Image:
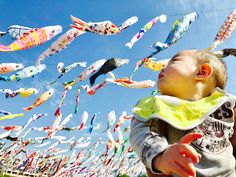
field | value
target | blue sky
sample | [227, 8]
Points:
[91, 47]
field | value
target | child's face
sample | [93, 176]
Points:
[177, 78]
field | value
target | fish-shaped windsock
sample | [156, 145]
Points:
[127, 82]
[87, 72]
[27, 92]
[77, 100]
[138, 36]
[120, 121]
[103, 28]
[94, 89]
[156, 65]
[109, 65]
[9, 93]
[92, 123]
[27, 72]
[225, 30]
[11, 116]
[10, 67]
[44, 97]
[111, 119]
[12, 128]
[111, 142]
[61, 43]
[63, 70]
[150, 63]
[21, 91]
[91, 69]
[66, 120]
[84, 119]
[58, 110]
[178, 29]
[32, 38]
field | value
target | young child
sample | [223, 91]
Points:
[188, 130]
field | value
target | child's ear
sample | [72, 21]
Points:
[205, 71]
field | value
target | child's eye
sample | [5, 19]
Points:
[175, 59]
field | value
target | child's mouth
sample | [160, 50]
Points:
[160, 76]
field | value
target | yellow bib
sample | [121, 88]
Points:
[181, 114]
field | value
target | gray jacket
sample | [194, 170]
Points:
[151, 137]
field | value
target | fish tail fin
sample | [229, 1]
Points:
[57, 112]
[90, 129]
[105, 130]
[7, 95]
[68, 84]
[60, 76]
[2, 33]
[93, 78]
[4, 78]
[44, 139]
[28, 108]
[4, 48]
[81, 126]
[51, 83]
[79, 24]
[160, 46]
[116, 128]
[76, 109]
[129, 44]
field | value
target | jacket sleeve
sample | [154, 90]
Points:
[146, 143]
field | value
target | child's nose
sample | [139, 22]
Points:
[162, 70]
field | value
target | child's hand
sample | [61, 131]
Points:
[179, 157]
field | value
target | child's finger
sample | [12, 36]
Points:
[188, 151]
[187, 164]
[177, 169]
[190, 137]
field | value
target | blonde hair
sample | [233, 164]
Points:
[219, 66]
